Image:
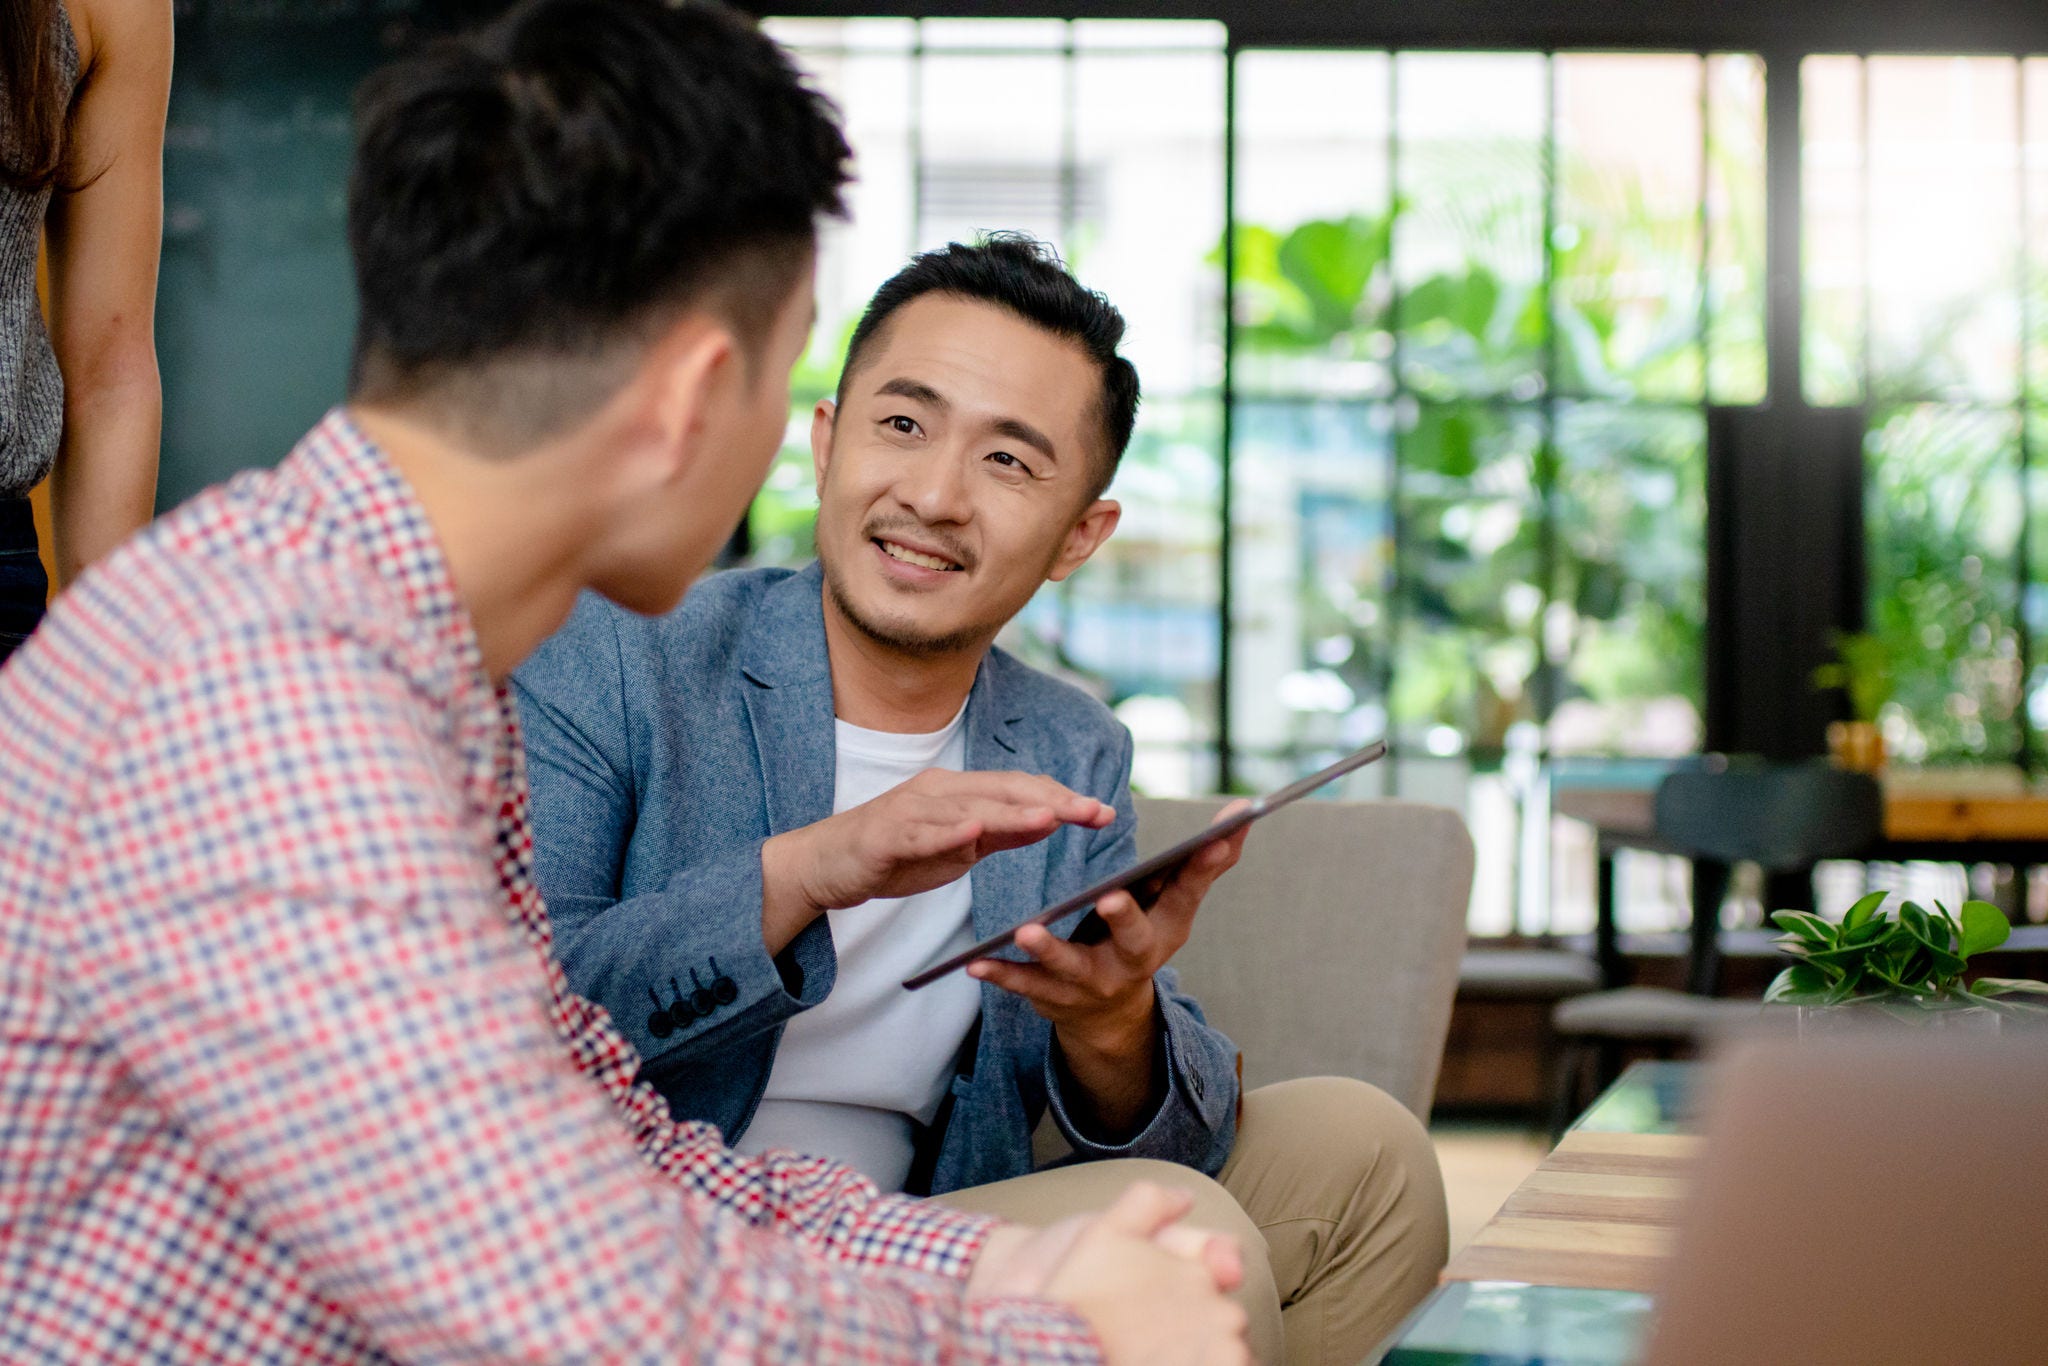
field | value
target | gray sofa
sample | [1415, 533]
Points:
[1333, 947]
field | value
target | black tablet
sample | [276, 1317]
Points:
[1145, 880]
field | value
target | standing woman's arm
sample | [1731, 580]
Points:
[104, 235]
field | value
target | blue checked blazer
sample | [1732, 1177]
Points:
[664, 751]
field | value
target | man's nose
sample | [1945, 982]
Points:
[936, 490]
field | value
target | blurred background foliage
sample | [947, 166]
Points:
[1539, 547]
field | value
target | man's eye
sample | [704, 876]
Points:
[1011, 461]
[902, 426]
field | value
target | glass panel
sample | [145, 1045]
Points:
[1139, 622]
[993, 136]
[1312, 546]
[1468, 604]
[1735, 229]
[861, 35]
[1945, 512]
[1470, 576]
[1650, 1098]
[1944, 219]
[1629, 617]
[782, 517]
[1148, 34]
[873, 87]
[1468, 246]
[2037, 587]
[1149, 214]
[1313, 221]
[997, 35]
[1487, 1323]
[1918, 227]
[1313, 539]
[1834, 262]
[2035, 76]
[1626, 302]
[1480, 788]
[874, 92]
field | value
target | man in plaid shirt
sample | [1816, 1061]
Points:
[287, 1069]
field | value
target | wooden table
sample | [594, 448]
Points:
[1600, 1213]
[1564, 1271]
[1920, 822]
[1949, 826]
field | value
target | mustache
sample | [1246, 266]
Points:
[917, 531]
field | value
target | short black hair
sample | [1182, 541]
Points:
[1015, 271]
[551, 188]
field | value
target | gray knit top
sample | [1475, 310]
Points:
[31, 389]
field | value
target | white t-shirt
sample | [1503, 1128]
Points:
[855, 1070]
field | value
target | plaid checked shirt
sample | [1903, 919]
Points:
[287, 1069]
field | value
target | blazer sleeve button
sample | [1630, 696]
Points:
[700, 998]
[660, 1024]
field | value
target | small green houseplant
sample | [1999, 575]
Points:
[1906, 965]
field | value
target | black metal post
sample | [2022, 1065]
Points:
[1783, 327]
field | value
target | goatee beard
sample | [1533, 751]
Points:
[903, 640]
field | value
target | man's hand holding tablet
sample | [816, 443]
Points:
[1097, 992]
[1147, 880]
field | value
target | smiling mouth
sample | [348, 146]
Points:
[916, 557]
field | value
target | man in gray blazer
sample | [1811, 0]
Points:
[754, 816]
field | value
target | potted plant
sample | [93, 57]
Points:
[1862, 670]
[1907, 966]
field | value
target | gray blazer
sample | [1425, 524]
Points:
[664, 751]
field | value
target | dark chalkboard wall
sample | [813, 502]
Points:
[255, 307]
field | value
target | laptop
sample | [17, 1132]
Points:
[1871, 1200]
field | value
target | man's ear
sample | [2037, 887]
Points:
[1086, 536]
[823, 418]
[692, 373]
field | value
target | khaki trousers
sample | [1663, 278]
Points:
[1333, 1192]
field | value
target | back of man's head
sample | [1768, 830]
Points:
[532, 203]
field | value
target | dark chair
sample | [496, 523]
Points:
[1784, 818]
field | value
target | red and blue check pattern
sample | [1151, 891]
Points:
[287, 1068]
